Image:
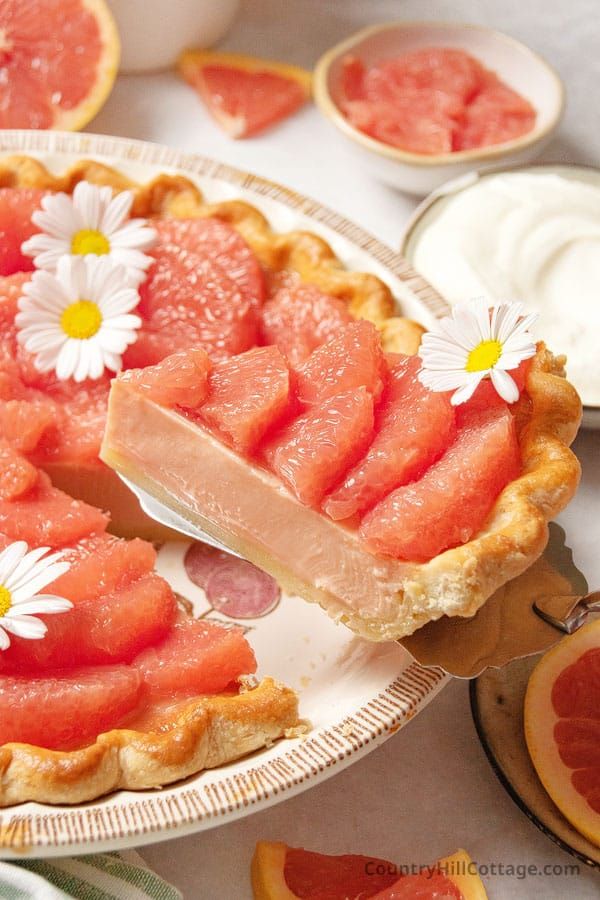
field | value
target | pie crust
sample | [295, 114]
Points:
[206, 732]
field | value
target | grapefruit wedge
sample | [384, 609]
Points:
[562, 727]
[59, 60]
[245, 95]
[280, 872]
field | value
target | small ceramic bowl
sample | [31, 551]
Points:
[154, 32]
[512, 61]
[429, 209]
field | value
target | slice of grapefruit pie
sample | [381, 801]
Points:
[391, 489]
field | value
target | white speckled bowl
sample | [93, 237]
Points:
[414, 173]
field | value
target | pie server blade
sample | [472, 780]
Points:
[525, 617]
[164, 515]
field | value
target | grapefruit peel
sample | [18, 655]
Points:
[79, 115]
[269, 882]
[244, 116]
[541, 720]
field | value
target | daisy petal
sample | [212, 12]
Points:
[4, 638]
[10, 559]
[115, 213]
[44, 605]
[465, 392]
[25, 626]
[504, 385]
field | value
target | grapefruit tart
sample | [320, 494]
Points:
[275, 399]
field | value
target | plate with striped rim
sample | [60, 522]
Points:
[354, 694]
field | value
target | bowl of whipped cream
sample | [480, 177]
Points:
[529, 233]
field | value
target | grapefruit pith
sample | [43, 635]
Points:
[562, 727]
[280, 872]
[245, 95]
[59, 59]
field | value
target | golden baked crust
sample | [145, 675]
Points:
[302, 252]
[207, 732]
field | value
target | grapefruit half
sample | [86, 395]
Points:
[59, 60]
[562, 727]
[245, 95]
[280, 872]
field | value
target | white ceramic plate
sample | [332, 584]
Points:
[354, 693]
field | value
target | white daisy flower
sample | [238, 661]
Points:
[23, 573]
[471, 344]
[91, 221]
[78, 320]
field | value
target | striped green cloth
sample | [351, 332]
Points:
[101, 876]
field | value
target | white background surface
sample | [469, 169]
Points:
[429, 789]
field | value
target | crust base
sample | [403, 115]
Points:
[206, 733]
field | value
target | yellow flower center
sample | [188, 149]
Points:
[5, 600]
[81, 320]
[89, 241]
[484, 356]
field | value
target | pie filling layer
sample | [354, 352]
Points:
[338, 476]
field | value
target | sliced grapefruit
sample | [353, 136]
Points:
[413, 427]
[433, 100]
[17, 475]
[100, 564]
[17, 205]
[315, 451]
[280, 872]
[59, 60]
[197, 657]
[245, 95]
[110, 628]
[47, 517]
[299, 318]
[179, 380]
[189, 300]
[248, 395]
[562, 727]
[216, 239]
[351, 359]
[452, 500]
[23, 422]
[62, 711]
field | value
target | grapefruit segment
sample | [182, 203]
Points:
[247, 395]
[59, 60]
[46, 517]
[17, 205]
[352, 359]
[562, 727]
[100, 564]
[196, 657]
[432, 100]
[189, 300]
[245, 95]
[23, 422]
[179, 380]
[452, 500]
[299, 318]
[413, 427]
[280, 872]
[17, 475]
[63, 711]
[314, 451]
[109, 628]
[217, 240]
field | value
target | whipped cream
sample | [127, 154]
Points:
[526, 236]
